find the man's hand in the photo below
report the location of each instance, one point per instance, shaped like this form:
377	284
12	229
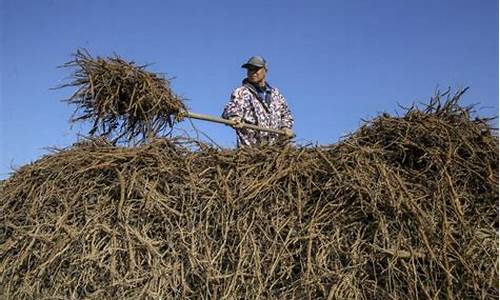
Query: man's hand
238	122
288	132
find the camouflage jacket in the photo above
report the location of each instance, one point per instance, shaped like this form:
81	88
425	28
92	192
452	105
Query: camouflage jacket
272	112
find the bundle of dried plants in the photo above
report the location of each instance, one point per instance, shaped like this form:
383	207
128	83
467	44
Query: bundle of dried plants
121	99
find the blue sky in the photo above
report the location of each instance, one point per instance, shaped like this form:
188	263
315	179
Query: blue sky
336	62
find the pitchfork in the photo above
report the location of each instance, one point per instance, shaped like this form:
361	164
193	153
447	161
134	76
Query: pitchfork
230	122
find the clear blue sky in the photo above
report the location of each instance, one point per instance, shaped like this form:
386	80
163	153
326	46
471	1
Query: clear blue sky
336	62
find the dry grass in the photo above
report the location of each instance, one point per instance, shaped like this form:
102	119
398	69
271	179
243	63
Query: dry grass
122	100
404	208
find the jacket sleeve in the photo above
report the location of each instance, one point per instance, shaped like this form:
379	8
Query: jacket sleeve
235	107
286	115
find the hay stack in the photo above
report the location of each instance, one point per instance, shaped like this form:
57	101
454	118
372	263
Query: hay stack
404	208
122	100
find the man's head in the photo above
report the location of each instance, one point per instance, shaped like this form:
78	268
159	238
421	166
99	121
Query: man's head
256	70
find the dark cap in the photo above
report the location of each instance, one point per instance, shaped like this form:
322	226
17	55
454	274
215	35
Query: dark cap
255	61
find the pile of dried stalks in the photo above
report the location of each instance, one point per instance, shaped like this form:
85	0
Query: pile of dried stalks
123	100
404	208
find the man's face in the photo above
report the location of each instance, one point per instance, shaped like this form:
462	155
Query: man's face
256	75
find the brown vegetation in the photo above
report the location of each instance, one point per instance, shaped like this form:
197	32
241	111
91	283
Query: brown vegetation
122	100
404	208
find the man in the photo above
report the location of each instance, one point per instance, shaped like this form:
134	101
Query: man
256	102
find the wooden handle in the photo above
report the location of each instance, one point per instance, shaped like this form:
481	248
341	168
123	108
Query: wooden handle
230	122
